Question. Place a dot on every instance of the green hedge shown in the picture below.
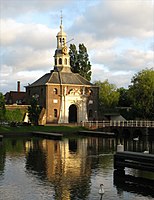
(14, 115)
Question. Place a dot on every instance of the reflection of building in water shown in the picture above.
(28, 145)
(62, 158)
(70, 156)
(68, 163)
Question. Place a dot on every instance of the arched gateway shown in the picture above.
(72, 113)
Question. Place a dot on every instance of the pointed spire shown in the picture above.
(61, 17)
(61, 21)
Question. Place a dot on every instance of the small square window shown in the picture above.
(55, 100)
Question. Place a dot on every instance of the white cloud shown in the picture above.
(37, 36)
(26, 46)
(14, 8)
(26, 58)
(117, 33)
(130, 59)
(120, 79)
(114, 19)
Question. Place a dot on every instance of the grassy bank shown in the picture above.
(27, 129)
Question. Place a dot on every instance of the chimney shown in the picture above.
(18, 86)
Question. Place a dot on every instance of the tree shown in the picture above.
(79, 61)
(142, 94)
(34, 111)
(108, 95)
(2, 107)
(124, 99)
(74, 59)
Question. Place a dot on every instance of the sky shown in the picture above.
(118, 35)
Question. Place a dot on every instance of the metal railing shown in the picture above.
(129, 123)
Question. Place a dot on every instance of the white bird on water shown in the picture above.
(101, 190)
(136, 139)
(146, 151)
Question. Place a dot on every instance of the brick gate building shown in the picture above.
(65, 97)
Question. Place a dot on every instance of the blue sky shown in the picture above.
(118, 34)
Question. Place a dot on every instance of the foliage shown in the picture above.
(34, 111)
(2, 107)
(79, 61)
(124, 99)
(14, 115)
(108, 95)
(74, 58)
(142, 94)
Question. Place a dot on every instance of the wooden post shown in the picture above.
(120, 148)
(118, 167)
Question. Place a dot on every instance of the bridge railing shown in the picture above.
(114, 123)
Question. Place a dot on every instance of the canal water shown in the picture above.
(70, 169)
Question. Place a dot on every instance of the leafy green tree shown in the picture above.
(108, 95)
(34, 111)
(124, 99)
(74, 59)
(141, 92)
(79, 61)
(2, 107)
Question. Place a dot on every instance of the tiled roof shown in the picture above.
(41, 81)
(61, 78)
(68, 78)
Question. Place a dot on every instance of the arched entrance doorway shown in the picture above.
(72, 114)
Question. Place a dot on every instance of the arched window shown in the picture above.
(55, 112)
(63, 41)
(55, 61)
(65, 61)
(90, 92)
(55, 91)
(60, 61)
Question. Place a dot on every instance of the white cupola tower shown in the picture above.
(61, 57)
